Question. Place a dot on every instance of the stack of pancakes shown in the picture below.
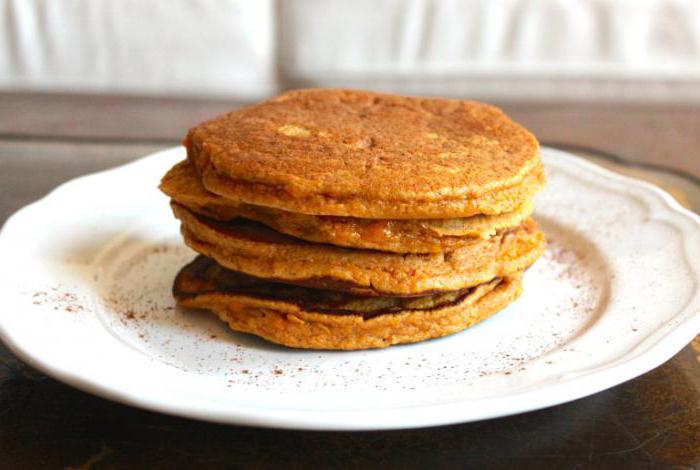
(338, 219)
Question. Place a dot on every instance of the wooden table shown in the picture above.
(652, 421)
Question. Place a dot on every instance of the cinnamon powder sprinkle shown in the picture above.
(66, 301)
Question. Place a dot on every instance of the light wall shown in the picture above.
(633, 50)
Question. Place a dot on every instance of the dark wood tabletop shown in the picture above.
(649, 422)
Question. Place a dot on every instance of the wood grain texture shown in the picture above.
(652, 421)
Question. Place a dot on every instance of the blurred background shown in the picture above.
(502, 50)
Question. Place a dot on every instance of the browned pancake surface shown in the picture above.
(400, 236)
(368, 155)
(254, 249)
(205, 276)
(312, 318)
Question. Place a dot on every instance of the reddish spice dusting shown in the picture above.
(66, 301)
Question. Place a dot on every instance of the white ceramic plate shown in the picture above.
(85, 290)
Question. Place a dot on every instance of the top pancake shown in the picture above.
(368, 155)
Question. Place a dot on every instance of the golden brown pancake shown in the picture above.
(254, 249)
(401, 236)
(300, 317)
(368, 155)
(340, 219)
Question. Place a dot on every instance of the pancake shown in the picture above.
(368, 155)
(254, 249)
(182, 184)
(300, 317)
